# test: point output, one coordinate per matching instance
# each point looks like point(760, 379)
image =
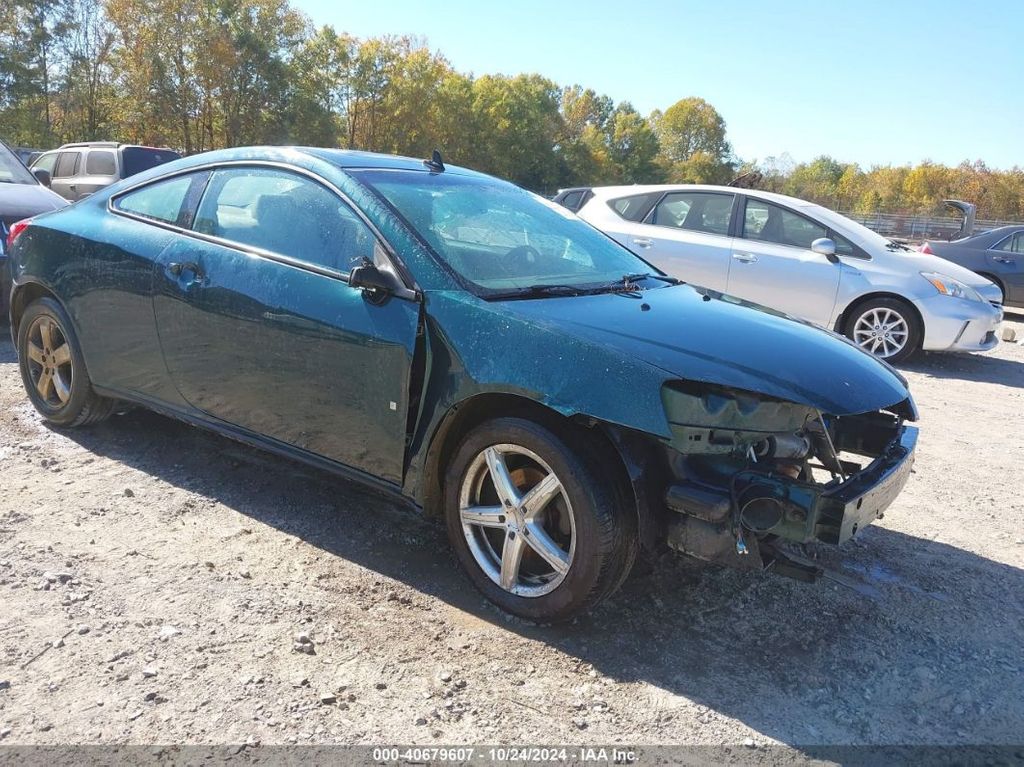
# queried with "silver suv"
point(78, 170)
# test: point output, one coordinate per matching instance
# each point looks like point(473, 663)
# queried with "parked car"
point(22, 194)
point(997, 255)
point(806, 261)
point(78, 170)
point(469, 347)
point(574, 197)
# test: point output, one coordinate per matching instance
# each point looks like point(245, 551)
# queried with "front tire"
point(536, 519)
point(53, 369)
point(885, 327)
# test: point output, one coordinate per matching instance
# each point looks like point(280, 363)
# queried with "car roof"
point(352, 158)
point(608, 192)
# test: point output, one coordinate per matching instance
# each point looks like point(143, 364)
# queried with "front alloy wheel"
point(539, 516)
point(885, 327)
point(517, 520)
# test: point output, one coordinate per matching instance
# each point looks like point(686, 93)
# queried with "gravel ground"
point(159, 584)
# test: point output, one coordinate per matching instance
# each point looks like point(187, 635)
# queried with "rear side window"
point(636, 207)
point(1013, 244)
point(100, 162)
point(162, 201)
point(67, 164)
point(284, 213)
point(695, 211)
point(139, 158)
point(572, 200)
point(767, 222)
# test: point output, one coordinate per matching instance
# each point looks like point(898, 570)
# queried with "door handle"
point(642, 242)
point(746, 258)
point(1002, 260)
point(177, 268)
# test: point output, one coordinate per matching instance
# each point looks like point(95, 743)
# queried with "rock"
point(303, 637)
point(54, 577)
point(421, 721)
point(5, 684)
point(380, 686)
point(245, 574)
point(446, 676)
point(5, 732)
point(149, 672)
point(580, 723)
point(44, 727)
point(1009, 335)
point(166, 632)
point(135, 715)
point(308, 649)
point(83, 629)
point(58, 643)
point(129, 493)
point(328, 698)
point(150, 696)
point(749, 743)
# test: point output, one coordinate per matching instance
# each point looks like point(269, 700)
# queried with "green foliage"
point(202, 74)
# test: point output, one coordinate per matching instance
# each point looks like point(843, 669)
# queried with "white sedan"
point(802, 259)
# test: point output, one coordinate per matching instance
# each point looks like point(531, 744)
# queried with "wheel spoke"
point(511, 558)
point(46, 333)
point(543, 544)
point(485, 516)
point(540, 495)
point(44, 384)
point(503, 484)
point(62, 355)
point(35, 353)
point(62, 389)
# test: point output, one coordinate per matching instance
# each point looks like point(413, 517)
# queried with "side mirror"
point(371, 279)
point(825, 247)
point(42, 175)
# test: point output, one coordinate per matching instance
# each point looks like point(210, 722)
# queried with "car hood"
point(700, 335)
point(924, 262)
point(18, 201)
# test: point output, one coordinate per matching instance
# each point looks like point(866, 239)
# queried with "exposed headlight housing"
point(947, 286)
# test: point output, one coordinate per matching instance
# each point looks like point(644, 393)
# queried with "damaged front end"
point(754, 477)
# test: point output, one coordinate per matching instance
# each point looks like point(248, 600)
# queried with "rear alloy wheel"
point(886, 328)
point(52, 368)
point(536, 523)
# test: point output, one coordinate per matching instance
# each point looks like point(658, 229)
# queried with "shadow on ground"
point(925, 647)
point(968, 367)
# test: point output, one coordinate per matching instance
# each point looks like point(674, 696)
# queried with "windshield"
point(12, 171)
point(865, 237)
point(502, 238)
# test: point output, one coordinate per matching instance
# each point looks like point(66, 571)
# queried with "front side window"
point(696, 211)
point(501, 238)
point(162, 201)
point(100, 162)
point(767, 222)
point(46, 162)
point(284, 213)
point(844, 247)
point(67, 164)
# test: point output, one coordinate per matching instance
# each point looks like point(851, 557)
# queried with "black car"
point(22, 195)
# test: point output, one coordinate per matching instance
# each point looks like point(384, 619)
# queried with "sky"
point(867, 81)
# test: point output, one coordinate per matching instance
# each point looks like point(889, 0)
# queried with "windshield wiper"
point(539, 291)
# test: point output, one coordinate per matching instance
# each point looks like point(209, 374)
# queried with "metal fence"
point(921, 227)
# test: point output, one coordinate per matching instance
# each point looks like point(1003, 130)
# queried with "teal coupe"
point(469, 347)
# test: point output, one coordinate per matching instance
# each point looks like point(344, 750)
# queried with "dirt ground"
point(159, 584)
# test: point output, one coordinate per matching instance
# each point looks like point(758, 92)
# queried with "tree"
point(691, 134)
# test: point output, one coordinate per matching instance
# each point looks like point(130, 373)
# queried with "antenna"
point(435, 163)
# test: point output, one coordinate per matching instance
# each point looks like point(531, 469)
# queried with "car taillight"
point(17, 228)
point(925, 248)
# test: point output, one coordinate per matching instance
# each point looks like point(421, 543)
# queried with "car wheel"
point(886, 327)
point(53, 370)
point(536, 521)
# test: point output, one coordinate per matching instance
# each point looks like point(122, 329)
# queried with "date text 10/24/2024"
point(463, 754)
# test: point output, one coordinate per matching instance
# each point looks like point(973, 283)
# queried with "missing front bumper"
point(774, 508)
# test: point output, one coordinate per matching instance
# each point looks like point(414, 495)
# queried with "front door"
point(773, 264)
point(260, 330)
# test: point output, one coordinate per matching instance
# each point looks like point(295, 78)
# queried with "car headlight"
point(947, 286)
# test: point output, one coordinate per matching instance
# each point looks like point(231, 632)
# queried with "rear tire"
point(53, 369)
point(885, 327)
point(560, 535)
